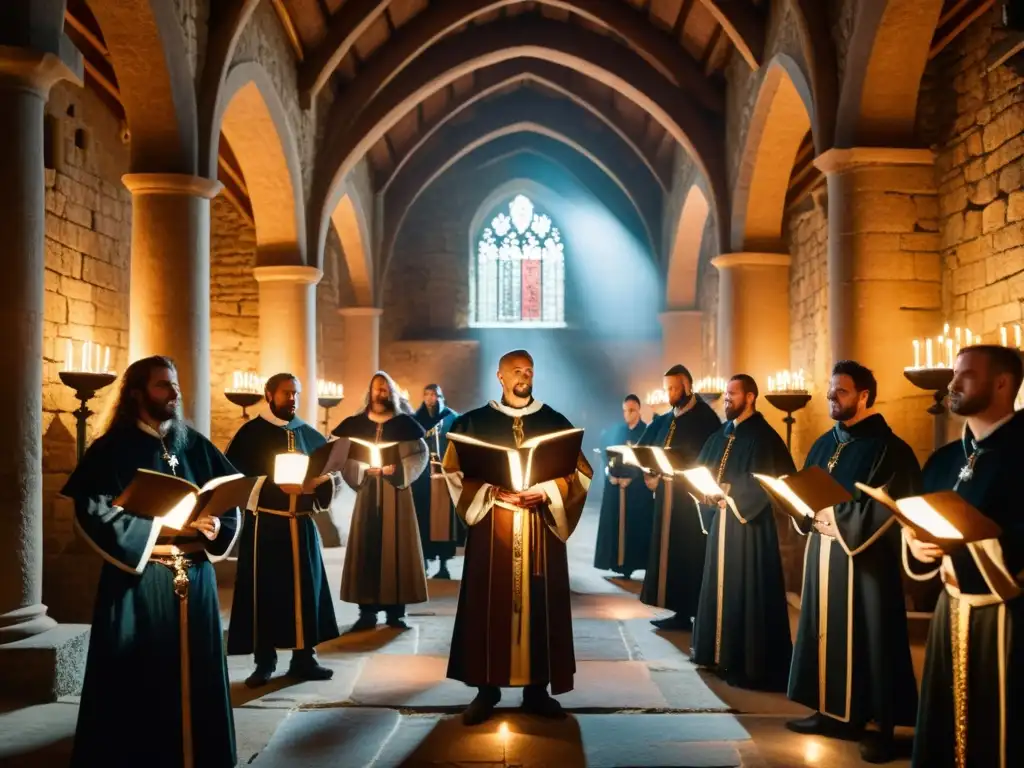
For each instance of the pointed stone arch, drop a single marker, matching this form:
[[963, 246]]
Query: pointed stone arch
[[781, 119], [253, 120], [885, 61], [154, 78], [684, 259], [350, 224]]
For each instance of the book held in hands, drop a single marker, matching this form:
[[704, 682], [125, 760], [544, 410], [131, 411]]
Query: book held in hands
[[177, 503], [704, 484], [332, 456], [652, 459], [537, 460], [804, 494], [945, 518]]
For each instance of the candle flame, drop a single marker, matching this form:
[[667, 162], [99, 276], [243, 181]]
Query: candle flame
[[788, 381], [93, 358], [248, 382]]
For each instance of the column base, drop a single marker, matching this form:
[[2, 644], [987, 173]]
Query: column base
[[46, 666], [24, 622]]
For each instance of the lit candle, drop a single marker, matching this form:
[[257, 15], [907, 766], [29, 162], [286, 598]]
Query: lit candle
[[969, 337], [1002, 336], [945, 331], [949, 353], [928, 353], [106, 359], [1016, 336], [69, 362], [85, 356], [917, 353], [958, 339]]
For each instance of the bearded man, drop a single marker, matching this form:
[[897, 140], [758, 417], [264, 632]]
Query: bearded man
[[156, 682], [282, 599], [384, 568]]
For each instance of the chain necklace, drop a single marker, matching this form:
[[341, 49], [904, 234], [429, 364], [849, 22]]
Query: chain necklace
[[835, 456], [967, 471], [725, 458], [169, 457], [517, 430]]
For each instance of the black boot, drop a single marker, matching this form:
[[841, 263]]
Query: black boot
[[877, 747], [266, 663], [395, 614], [442, 572], [367, 619], [304, 666], [674, 622], [482, 707], [537, 701]]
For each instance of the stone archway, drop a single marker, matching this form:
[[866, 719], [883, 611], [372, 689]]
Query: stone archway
[[683, 262], [781, 119], [885, 61]]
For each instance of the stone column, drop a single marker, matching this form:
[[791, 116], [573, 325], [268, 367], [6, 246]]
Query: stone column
[[884, 271], [681, 339], [26, 77], [288, 328], [170, 280], [361, 354]]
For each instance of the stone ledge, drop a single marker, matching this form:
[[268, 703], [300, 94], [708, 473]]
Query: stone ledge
[[46, 666]]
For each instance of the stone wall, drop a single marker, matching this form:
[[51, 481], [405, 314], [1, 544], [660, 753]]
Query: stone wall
[[977, 128], [234, 312], [88, 234]]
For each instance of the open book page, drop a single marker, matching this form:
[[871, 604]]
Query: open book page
[[224, 493], [944, 518], [551, 456], [805, 493], [376, 455], [486, 462], [154, 494], [778, 490], [628, 456], [702, 481], [533, 442]]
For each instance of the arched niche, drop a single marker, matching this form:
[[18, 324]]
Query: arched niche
[[684, 260], [252, 119], [885, 61], [781, 119]]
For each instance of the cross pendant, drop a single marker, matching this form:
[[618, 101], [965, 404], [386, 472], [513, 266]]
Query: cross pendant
[[966, 472], [171, 460]]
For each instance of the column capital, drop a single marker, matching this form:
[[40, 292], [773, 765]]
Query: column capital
[[288, 273], [39, 71], [746, 259], [171, 184], [360, 311], [840, 160]]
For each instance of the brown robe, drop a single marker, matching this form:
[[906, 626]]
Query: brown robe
[[513, 626]]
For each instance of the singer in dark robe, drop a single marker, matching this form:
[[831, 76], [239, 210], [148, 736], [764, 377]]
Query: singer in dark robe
[[851, 661], [384, 568], [627, 507], [972, 692], [440, 529], [156, 625], [742, 626], [513, 625], [282, 599], [675, 564]]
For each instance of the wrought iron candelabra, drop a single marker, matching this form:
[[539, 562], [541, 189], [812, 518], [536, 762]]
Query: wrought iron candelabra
[[789, 403], [936, 381], [327, 402], [86, 384]]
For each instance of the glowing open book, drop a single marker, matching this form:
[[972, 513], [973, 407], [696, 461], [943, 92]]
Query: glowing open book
[[806, 493], [944, 518], [703, 482], [652, 459], [177, 502], [537, 460]]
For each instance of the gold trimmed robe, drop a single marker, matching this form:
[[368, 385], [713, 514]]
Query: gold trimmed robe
[[972, 691], [513, 626], [384, 560]]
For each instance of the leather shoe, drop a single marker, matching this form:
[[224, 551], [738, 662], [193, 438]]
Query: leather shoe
[[364, 622], [310, 670], [816, 724], [876, 747], [537, 701], [676, 622], [261, 676], [481, 708]]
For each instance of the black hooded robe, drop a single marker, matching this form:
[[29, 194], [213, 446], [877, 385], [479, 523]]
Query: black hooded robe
[[430, 492], [624, 527]]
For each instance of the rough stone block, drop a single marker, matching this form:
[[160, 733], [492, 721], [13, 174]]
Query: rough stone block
[[101, 274], [1015, 206], [55, 307], [1005, 155], [972, 224], [1009, 178], [987, 297], [1008, 237], [1003, 265], [969, 278], [994, 216], [974, 171], [46, 666], [985, 191], [83, 312], [973, 250]]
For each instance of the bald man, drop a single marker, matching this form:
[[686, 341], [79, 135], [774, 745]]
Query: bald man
[[513, 627]]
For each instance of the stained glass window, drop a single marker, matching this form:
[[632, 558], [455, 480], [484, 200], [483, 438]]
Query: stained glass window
[[517, 275]]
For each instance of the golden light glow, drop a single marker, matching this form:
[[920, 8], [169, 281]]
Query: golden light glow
[[290, 468], [503, 731], [93, 358], [813, 752], [788, 381], [246, 381], [657, 397], [710, 384]]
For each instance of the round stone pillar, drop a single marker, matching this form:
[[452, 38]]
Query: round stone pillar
[[288, 328], [361, 354], [681, 336], [884, 269], [753, 314], [170, 280], [26, 77]]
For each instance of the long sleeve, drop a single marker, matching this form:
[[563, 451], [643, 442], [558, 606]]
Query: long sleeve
[[325, 493], [230, 526], [121, 538], [414, 459], [749, 498], [473, 499], [566, 499], [862, 522]]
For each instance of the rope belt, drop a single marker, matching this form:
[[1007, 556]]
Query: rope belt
[[281, 512]]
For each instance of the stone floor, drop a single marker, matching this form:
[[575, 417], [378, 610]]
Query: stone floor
[[638, 700]]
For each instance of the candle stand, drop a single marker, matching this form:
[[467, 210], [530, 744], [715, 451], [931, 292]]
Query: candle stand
[[936, 381], [244, 400], [709, 397], [86, 384], [790, 403], [327, 402]]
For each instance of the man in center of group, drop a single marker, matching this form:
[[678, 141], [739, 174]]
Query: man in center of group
[[513, 626], [675, 565]]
